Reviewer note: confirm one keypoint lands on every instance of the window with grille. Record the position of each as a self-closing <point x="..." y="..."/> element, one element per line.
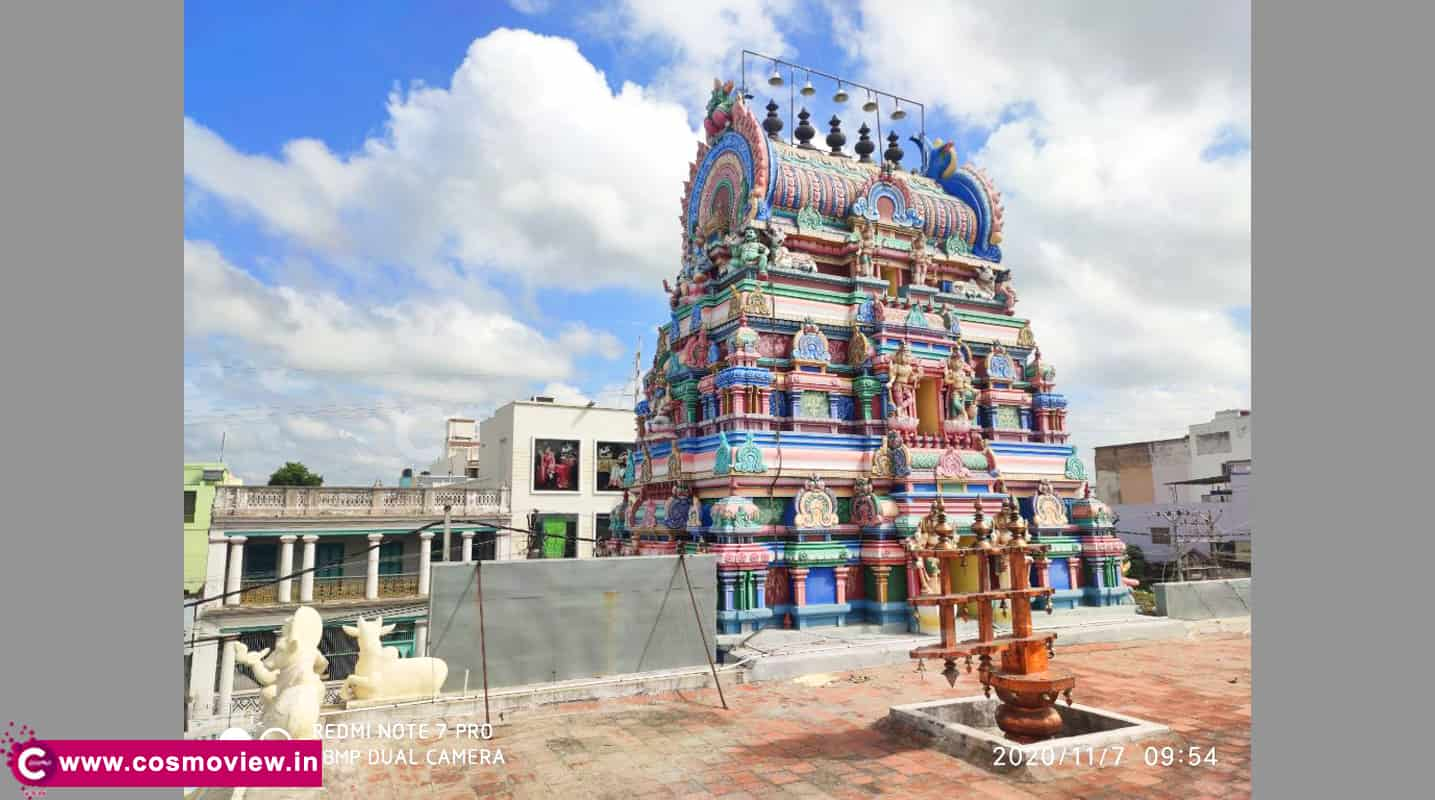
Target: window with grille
<point x="391" y="558"/>
<point x="189" y="503"/>
<point x="1160" y="536"/>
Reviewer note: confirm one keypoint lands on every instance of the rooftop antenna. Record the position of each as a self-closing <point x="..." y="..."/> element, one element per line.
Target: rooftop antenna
<point x="222" y="435"/>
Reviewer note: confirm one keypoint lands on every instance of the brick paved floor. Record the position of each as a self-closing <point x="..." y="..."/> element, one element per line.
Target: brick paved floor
<point x="795" y="739"/>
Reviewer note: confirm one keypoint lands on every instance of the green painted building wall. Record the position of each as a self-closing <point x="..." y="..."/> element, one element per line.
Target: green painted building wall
<point x="198" y="505"/>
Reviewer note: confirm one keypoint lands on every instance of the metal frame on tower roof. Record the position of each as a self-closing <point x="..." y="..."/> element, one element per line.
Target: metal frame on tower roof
<point x="793" y="68"/>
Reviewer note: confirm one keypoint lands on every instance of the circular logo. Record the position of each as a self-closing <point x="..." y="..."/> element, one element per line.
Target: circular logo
<point x="34" y="764"/>
<point x="235" y="734"/>
<point x="274" y="734"/>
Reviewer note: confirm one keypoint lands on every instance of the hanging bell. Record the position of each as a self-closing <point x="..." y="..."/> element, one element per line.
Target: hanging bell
<point x="776" y="78"/>
<point x="871" y="104"/>
<point x="841" y="95"/>
<point x="951" y="672"/>
<point x="897" y="112"/>
<point x="807" y="89"/>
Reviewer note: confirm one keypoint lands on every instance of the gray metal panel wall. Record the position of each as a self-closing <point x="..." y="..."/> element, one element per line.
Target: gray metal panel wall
<point x="560" y="619"/>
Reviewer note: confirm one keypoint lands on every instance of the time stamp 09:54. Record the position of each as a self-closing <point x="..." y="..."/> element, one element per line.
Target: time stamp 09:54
<point x="1112" y="756"/>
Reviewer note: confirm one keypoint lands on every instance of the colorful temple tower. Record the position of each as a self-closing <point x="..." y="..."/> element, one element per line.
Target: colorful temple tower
<point x="842" y="349"/>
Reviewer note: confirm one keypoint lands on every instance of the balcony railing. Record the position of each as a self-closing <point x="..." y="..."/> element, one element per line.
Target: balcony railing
<point x="247" y="702"/>
<point x="320" y="501"/>
<point x="264" y="592"/>
<point x="406" y="585"/>
<point x="346" y="588"/>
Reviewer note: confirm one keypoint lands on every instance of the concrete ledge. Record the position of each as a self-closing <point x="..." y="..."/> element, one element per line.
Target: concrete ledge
<point x="838" y="658"/>
<point x="966" y="728"/>
<point x="1204" y="599"/>
<point x="513" y="698"/>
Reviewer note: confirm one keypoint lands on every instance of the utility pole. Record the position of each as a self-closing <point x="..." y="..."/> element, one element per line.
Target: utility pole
<point x="1204" y="521"/>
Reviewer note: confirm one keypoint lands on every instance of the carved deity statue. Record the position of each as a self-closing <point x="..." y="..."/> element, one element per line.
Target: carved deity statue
<point x="903" y="375"/>
<point x="958" y="375"/>
<point x="866" y="247"/>
<point x="292" y="675"/>
<point x="750" y="253"/>
<point x="929" y="572"/>
<point x="719" y="111"/>
<point x="921" y="261"/>
<point x="866" y="510"/>
<point x="1004" y="288"/>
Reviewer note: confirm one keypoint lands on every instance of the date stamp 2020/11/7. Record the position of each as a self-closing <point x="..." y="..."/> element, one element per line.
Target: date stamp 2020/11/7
<point x="1107" y="756"/>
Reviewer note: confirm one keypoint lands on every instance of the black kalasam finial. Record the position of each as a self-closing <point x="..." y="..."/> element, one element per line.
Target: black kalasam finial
<point x="804" y="130"/>
<point x="772" y="123"/>
<point x="894" y="152"/>
<point x="836" y="138"/>
<point x="865" y="145"/>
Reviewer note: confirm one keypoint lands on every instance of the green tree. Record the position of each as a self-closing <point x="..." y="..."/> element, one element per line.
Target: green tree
<point x="294" y="473"/>
<point x="1138" y="562"/>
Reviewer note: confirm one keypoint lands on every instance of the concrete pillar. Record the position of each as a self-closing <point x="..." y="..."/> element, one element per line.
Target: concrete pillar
<point x="1093" y="570"/>
<point x="467" y="546"/>
<point x="286" y="566"/>
<point x="586" y="530"/>
<point x="236" y="569"/>
<point x="799" y="586"/>
<point x="214" y="577"/>
<point x="879" y="576"/>
<point x="425" y="561"/>
<point x="226" y="675"/>
<point x="371" y="582"/>
<point x="306" y="581"/>
<point x="203" y="665"/>
<point x="728" y="579"/>
<point x="839" y="576"/>
<point x="759" y="581"/>
<point x="421" y="637"/>
<point x="447" y="534"/>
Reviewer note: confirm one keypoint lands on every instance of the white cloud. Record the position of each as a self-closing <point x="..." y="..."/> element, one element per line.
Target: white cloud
<point x="313" y="429"/>
<point x="420" y="346"/>
<point x="528" y="163"/>
<point x="530" y="6"/>
<point x="1128" y="248"/>
<point x="702" y="41"/>
<point x="564" y="393"/>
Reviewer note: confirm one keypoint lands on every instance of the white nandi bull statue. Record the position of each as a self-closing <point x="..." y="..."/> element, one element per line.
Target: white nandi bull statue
<point x="382" y="675"/>
<point x="292" y="676"/>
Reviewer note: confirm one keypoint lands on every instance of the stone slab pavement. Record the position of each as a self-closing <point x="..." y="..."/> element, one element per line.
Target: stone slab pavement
<point x="823" y="736"/>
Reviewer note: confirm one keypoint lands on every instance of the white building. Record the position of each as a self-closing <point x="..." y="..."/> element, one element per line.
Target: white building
<point x="360" y="552"/>
<point x="1162" y="471"/>
<point x="1145" y="482"/>
<point x="1226" y="497"/>
<point x="563" y="462"/>
<point x="460" y="453"/>
<point x="1223" y="439"/>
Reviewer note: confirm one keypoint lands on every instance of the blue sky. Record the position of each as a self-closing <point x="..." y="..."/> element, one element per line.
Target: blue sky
<point x="364" y="257"/>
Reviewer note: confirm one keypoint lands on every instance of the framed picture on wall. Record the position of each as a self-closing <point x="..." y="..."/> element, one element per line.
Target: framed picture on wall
<point x="555" y="465"/>
<point x="612" y="461"/>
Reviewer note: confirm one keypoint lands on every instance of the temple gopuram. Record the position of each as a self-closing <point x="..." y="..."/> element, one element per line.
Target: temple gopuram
<point x="842" y="349"/>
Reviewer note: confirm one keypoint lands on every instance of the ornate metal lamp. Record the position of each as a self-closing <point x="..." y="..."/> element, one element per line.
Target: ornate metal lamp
<point x="1024" y="680"/>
